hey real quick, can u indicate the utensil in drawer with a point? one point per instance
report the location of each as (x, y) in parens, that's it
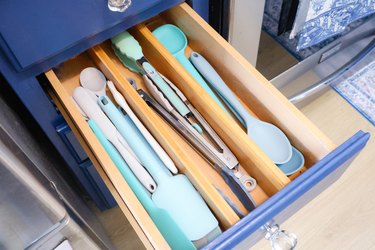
(132, 57)
(163, 221)
(147, 135)
(92, 110)
(267, 136)
(224, 162)
(175, 41)
(93, 79)
(224, 153)
(173, 193)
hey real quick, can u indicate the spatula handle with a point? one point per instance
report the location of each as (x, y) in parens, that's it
(182, 59)
(150, 139)
(92, 110)
(128, 175)
(135, 139)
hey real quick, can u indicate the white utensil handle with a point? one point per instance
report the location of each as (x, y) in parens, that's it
(93, 111)
(136, 167)
(149, 138)
(126, 145)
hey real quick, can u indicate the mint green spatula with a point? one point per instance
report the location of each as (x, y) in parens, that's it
(163, 221)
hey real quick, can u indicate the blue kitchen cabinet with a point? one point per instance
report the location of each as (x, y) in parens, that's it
(38, 35)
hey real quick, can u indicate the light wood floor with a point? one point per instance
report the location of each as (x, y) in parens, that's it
(343, 216)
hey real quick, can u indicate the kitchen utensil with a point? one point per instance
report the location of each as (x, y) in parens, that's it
(174, 193)
(130, 47)
(175, 41)
(294, 164)
(92, 110)
(127, 62)
(150, 139)
(226, 198)
(224, 161)
(227, 157)
(129, 50)
(93, 79)
(267, 136)
(163, 221)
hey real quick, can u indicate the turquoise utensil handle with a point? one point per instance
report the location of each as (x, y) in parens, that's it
(219, 85)
(125, 171)
(135, 139)
(165, 89)
(182, 59)
(167, 226)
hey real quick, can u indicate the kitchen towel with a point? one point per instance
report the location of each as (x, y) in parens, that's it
(287, 15)
(357, 86)
(271, 18)
(318, 20)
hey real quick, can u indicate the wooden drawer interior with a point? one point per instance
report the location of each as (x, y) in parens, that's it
(258, 95)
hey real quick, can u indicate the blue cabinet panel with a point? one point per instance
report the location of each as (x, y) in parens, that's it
(36, 101)
(71, 142)
(295, 195)
(98, 184)
(42, 33)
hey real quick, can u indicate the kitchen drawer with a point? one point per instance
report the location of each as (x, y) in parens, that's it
(277, 195)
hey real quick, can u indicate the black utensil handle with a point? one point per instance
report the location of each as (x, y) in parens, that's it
(239, 189)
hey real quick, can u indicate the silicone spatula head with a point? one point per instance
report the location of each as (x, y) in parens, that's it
(171, 37)
(127, 45)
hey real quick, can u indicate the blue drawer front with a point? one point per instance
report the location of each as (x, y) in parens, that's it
(291, 198)
(42, 33)
(71, 142)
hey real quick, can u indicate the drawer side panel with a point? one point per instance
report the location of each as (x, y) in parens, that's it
(315, 179)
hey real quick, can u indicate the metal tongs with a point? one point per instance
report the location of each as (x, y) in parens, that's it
(175, 108)
(220, 156)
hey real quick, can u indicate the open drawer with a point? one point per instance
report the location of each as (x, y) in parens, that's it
(277, 195)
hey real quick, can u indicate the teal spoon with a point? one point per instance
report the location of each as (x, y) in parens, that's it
(175, 41)
(163, 221)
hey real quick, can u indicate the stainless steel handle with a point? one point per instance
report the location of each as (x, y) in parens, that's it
(280, 239)
(328, 81)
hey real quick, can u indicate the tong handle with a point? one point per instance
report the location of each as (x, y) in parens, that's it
(165, 89)
(155, 92)
(240, 190)
(178, 92)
